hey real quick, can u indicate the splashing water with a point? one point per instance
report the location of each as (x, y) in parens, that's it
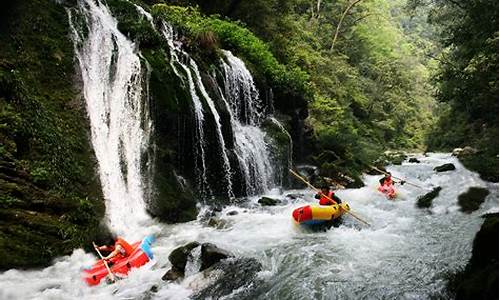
(405, 254)
(117, 108)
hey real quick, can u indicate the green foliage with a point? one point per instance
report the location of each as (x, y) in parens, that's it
(234, 36)
(133, 24)
(467, 80)
(46, 159)
(372, 92)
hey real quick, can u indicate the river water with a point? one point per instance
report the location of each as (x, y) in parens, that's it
(405, 254)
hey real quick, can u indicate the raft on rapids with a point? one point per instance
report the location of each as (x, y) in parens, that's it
(388, 191)
(120, 265)
(311, 215)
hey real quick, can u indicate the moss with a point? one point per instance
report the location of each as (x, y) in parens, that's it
(472, 199)
(486, 164)
(133, 24)
(47, 164)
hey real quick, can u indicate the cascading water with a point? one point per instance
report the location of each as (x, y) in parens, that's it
(178, 56)
(245, 106)
(117, 105)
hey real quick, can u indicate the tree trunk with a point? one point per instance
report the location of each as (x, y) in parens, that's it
(351, 5)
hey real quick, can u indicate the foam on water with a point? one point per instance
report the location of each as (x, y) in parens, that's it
(406, 253)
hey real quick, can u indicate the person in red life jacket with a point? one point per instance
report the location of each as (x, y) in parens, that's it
(325, 191)
(121, 247)
(387, 180)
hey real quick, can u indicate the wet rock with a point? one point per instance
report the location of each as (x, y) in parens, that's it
(456, 151)
(266, 201)
(211, 254)
(173, 274)
(479, 279)
(232, 213)
(445, 167)
(414, 160)
(294, 196)
(425, 201)
(178, 258)
(217, 223)
(472, 199)
(235, 277)
(467, 150)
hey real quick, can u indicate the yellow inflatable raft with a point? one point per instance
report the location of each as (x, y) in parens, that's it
(319, 214)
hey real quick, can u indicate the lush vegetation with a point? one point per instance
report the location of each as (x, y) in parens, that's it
(467, 79)
(206, 32)
(50, 198)
(370, 88)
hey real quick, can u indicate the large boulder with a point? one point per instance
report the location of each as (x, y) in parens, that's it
(179, 257)
(235, 277)
(445, 167)
(472, 199)
(479, 279)
(413, 160)
(210, 254)
(425, 201)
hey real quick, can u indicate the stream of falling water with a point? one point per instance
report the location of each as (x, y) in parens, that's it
(113, 87)
(405, 254)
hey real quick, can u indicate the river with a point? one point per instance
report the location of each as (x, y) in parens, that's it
(405, 254)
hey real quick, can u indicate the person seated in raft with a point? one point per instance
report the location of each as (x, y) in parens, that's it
(325, 190)
(387, 180)
(120, 248)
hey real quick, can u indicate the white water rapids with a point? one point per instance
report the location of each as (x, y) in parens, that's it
(405, 254)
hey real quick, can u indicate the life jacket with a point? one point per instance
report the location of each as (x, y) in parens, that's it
(388, 181)
(325, 201)
(126, 246)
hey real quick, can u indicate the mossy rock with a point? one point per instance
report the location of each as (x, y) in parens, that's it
(479, 279)
(486, 164)
(425, 201)
(472, 199)
(50, 196)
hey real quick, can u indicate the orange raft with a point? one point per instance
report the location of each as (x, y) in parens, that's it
(120, 265)
(311, 215)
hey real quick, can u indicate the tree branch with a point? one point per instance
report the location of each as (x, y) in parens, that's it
(351, 5)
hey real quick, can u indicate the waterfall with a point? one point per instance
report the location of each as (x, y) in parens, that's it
(115, 91)
(245, 106)
(178, 56)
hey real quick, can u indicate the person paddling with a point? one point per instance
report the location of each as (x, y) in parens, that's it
(387, 180)
(387, 186)
(120, 248)
(325, 191)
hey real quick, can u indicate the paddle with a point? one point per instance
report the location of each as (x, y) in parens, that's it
(385, 173)
(111, 275)
(331, 200)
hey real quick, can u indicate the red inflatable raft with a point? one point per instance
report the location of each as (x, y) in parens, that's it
(120, 265)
